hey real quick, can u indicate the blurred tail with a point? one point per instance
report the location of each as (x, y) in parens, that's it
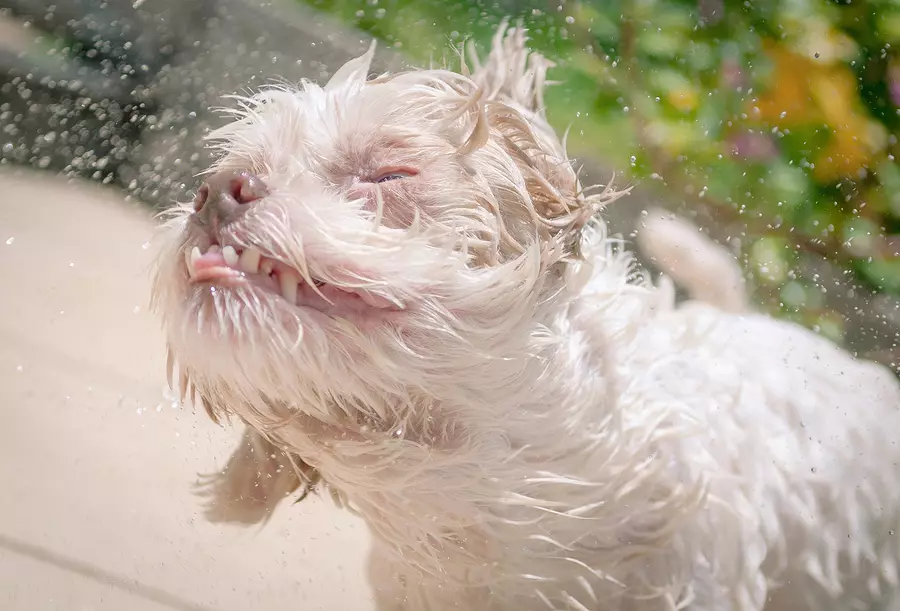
(707, 271)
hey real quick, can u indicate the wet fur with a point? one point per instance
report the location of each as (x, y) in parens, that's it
(542, 428)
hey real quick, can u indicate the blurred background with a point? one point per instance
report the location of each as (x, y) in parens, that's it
(773, 124)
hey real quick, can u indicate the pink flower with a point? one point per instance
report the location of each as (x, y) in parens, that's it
(753, 146)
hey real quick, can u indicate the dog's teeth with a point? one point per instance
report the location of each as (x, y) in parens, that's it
(230, 255)
(192, 260)
(288, 282)
(249, 260)
(266, 266)
(214, 248)
(395, 302)
(377, 301)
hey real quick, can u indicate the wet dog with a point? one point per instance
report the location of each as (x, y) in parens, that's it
(400, 287)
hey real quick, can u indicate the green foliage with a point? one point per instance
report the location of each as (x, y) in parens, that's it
(781, 114)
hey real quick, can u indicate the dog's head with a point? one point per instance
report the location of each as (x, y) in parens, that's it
(358, 246)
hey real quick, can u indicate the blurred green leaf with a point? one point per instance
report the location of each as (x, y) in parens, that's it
(781, 112)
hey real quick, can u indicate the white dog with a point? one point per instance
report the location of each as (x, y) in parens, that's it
(401, 288)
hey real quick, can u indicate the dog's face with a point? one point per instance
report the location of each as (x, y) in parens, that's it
(361, 242)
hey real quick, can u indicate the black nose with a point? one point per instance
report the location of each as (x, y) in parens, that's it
(226, 195)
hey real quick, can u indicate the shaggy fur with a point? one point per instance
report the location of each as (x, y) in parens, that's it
(523, 420)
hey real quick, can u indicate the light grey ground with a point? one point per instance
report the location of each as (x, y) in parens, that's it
(96, 465)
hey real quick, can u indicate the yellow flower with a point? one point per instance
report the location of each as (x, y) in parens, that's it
(853, 146)
(805, 91)
(787, 99)
(683, 99)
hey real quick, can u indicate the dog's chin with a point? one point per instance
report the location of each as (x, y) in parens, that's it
(244, 320)
(242, 307)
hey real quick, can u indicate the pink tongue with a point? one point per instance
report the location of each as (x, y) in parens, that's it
(209, 260)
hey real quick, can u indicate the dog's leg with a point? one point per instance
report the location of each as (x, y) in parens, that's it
(257, 477)
(703, 268)
(388, 587)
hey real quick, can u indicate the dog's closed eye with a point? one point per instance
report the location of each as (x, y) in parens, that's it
(390, 174)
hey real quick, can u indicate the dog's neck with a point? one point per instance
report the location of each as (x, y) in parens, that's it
(472, 470)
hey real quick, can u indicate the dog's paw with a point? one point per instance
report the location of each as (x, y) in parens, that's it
(257, 477)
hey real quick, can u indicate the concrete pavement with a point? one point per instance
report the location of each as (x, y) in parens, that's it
(96, 463)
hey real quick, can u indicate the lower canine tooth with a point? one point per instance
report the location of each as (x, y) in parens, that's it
(192, 259)
(288, 283)
(249, 260)
(230, 255)
(377, 301)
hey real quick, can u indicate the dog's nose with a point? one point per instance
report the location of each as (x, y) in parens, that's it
(226, 194)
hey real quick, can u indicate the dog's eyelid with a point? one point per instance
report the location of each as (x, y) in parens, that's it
(388, 174)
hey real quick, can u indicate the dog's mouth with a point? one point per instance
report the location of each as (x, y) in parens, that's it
(236, 267)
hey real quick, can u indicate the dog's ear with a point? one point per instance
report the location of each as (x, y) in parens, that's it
(511, 113)
(508, 110)
(257, 477)
(354, 72)
(512, 73)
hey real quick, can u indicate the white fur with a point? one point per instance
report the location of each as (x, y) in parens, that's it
(541, 427)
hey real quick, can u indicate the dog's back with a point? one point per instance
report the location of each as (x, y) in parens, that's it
(809, 429)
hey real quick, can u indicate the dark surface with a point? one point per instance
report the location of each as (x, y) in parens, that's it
(129, 92)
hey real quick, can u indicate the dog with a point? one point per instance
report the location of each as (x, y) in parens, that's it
(400, 287)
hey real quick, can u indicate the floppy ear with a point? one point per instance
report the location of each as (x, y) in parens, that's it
(511, 114)
(257, 477)
(512, 73)
(354, 72)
